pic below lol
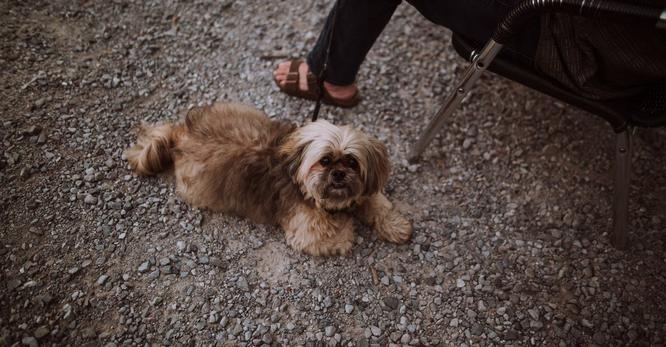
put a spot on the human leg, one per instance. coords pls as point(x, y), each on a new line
point(358, 24)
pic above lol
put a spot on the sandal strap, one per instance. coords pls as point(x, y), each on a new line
point(313, 83)
point(292, 78)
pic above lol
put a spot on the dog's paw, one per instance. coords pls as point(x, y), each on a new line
point(340, 247)
point(339, 244)
point(394, 227)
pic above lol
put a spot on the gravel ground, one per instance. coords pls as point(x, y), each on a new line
point(511, 204)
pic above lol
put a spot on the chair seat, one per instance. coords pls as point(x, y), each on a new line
point(616, 113)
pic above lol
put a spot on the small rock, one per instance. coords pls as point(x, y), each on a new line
point(39, 103)
point(267, 339)
point(454, 322)
point(155, 274)
point(467, 143)
point(41, 332)
point(90, 200)
point(405, 338)
point(102, 279)
point(144, 267)
point(460, 283)
point(242, 284)
point(213, 317)
point(41, 139)
point(31, 130)
point(375, 330)
point(30, 341)
point(587, 323)
point(391, 302)
point(349, 308)
point(156, 301)
point(89, 333)
point(329, 330)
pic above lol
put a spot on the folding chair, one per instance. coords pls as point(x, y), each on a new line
point(618, 116)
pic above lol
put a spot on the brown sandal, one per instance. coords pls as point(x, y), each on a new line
point(291, 87)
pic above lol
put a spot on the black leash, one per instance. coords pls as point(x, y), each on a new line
point(322, 73)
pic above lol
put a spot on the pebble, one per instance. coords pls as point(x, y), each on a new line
point(102, 279)
point(375, 330)
point(242, 284)
point(90, 200)
point(29, 341)
point(391, 302)
point(405, 338)
point(460, 283)
point(349, 308)
point(329, 330)
point(144, 267)
point(41, 332)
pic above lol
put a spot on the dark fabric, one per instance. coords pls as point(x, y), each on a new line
point(593, 58)
point(359, 23)
point(600, 60)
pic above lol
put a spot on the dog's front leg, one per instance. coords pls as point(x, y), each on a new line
point(318, 232)
point(378, 212)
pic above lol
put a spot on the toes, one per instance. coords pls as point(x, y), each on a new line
point(281, 71)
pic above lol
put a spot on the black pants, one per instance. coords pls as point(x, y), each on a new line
point(359, 23)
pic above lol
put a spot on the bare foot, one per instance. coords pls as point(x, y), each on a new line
point(335, 91)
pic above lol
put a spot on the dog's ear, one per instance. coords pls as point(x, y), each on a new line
point(292, 154)
point(378, 166)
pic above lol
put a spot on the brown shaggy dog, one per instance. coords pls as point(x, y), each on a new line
point(310, 180)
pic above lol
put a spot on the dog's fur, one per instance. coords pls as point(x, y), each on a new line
point(310, 180)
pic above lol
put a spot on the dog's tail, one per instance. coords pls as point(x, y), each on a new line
point(152, 152)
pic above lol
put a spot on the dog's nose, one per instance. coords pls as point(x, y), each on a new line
point(338, 175)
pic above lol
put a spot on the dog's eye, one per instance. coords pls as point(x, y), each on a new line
point(352, 163)
point(325, 161)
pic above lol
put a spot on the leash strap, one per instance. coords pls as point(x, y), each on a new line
point(322, 73)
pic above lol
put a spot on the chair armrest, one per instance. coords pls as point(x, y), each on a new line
point(638, 14)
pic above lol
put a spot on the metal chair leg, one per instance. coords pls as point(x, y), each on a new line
point(479, 64)
point(622, 181)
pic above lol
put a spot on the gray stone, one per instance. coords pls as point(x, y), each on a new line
point(30, 341)
point(349, 308)
point(102, 279)
point(329, 330)
point(391, 302)
point(242, 284)
point(41, 331)
point(90, 200)
point(375, 330)
point(144, 267)
point(460, 283)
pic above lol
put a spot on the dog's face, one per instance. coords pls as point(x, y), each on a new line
point(336, 166)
